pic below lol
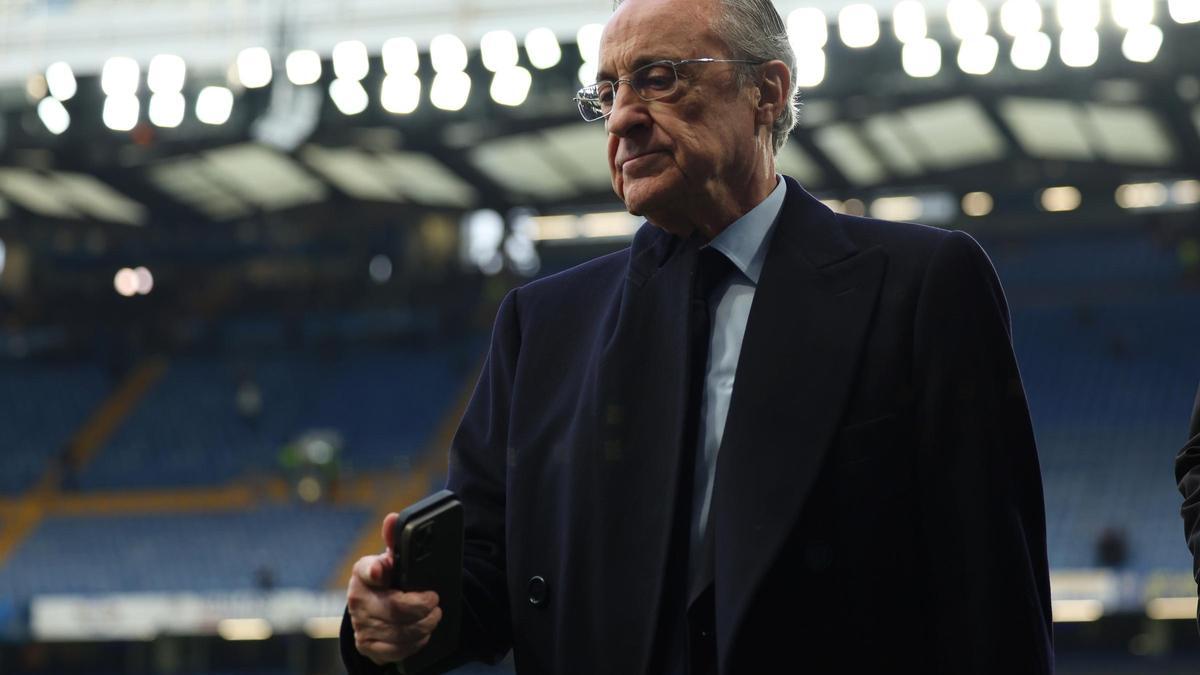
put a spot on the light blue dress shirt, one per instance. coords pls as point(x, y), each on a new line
point(745, 243)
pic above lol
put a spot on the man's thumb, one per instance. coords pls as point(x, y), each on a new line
point(389, 522)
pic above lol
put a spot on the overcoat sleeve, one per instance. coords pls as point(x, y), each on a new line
point(1187, 475)
point(982, 512)
point(477, 476)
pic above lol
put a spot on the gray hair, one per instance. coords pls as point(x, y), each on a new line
point(753, 30)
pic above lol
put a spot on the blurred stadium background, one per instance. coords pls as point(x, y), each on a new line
point(250, 251)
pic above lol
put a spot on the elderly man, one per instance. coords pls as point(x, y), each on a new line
point(763, 438)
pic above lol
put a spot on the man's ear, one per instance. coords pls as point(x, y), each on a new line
point(774, 85)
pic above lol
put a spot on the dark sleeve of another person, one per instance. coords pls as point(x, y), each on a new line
point(982, 523)
point(1187, 474)
point(478, 461)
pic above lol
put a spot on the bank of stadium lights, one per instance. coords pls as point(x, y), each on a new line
point(165, 78)
point(451, 85)
point(808, 32)
point(587, 39)
point(920, 55)
point(1184, 11)
point(1022, 19)
point(130, 282)
point(1141, 195)
point(541, 45)
point(119, 80)
point(510, 84)
point(1079, 43)
point(350, 66)
point(400, 92)
point(254, 67)
point(1142, 38)
point(214, 105)
point(303, 67)
point(858, 26)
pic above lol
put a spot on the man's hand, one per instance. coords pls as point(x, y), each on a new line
point(389, 625)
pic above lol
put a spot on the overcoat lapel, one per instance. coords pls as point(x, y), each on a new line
point(811, 312)
point(642, 394)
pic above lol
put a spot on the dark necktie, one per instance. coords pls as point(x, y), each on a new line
point(712, 268)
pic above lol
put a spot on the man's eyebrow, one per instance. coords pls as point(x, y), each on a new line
point(604, 74)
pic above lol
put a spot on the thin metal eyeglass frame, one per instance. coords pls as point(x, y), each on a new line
point(580, 99)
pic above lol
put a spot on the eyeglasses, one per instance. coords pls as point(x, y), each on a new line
point(651, 82)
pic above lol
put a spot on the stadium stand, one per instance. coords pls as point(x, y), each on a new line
point(43, 405)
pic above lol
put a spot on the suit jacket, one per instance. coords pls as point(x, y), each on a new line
point(1187, 475)
point(878, 501)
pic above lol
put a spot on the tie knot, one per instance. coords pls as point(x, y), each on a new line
point(712, 268)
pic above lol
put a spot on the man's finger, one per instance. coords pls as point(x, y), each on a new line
point(373, 570)
point(389, 521)
point(411, 607)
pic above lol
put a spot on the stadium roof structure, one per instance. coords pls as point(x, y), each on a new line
point(949, 110)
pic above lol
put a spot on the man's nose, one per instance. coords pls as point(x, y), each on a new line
point(629, 112)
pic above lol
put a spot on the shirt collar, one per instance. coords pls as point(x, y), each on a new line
point(744, 242)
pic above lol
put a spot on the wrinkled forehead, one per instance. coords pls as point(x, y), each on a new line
point(641, 31)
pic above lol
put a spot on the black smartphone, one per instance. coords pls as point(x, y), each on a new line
point(428, 537)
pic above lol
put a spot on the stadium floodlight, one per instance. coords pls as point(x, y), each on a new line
point(908, 21)
point(977, 54)
point(977, 204)
point(61, 81)
point(810, 67)
point(400, 56)
point(1078, 14)
point(303, 67)
point(120, 76)
point(53, 115)
point(450, 90)
point(543, 49)
point(1019, 17)
point(1132, 13)
point(121, 112)
point(448, 54)
point(967, 18)
point(587, 73)
point(510, 86)
point(1061, 198)
point(1186, 192)
point(214, 105)
point(1184, 11)
point(498, 49)
point(167, 109)
point(350, 60)
point(349, 96)
point(254, 67)
point(1079, 47)
point(807, 27)
point(588, 40)
point(1031, 51)
point(1141, 195)
point(1141, 43)
point(858, 26)
point(400, 94)
point(145, 280)
point(166, 74)
point(922, 58)
point(125, 282)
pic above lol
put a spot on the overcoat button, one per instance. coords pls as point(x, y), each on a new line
point(539, 591)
